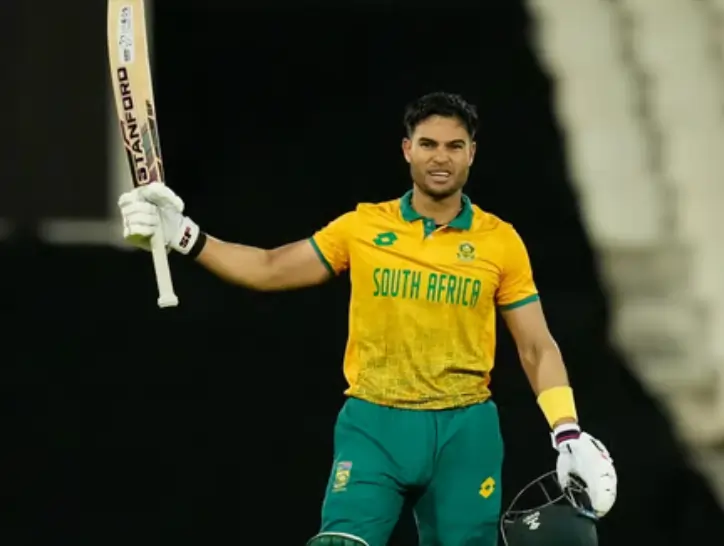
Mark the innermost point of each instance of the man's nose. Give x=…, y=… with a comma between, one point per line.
x=441, y=157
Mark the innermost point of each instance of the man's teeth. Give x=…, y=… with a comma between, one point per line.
x=442, y=174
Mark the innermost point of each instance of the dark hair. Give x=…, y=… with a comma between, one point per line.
x=442, y=104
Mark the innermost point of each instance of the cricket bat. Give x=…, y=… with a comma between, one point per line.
x=136, y=109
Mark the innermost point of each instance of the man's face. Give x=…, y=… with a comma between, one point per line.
x=440, y=153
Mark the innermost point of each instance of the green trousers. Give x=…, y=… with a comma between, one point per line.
x=448, y=462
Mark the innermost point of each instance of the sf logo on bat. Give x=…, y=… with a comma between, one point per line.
x=131, y=130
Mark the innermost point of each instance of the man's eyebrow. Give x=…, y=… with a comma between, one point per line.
x=433, y=141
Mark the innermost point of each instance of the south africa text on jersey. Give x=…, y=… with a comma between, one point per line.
x=434, y=287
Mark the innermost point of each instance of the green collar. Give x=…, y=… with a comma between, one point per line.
x=463, y=220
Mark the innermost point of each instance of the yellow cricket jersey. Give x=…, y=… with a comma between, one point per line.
x=423, y=300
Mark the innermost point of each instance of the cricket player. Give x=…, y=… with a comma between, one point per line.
x=428, y=272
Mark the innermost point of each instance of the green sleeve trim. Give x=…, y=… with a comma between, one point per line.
x=321, y=257
x=519, y=303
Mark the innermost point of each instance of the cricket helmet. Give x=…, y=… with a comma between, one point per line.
x=542, y=514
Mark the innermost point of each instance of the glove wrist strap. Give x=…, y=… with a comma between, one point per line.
x=198, y=246
x=188, y=235
x=565, y=433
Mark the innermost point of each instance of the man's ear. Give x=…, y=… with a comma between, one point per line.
x=406, y=149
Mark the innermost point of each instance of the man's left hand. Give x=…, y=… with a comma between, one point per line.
x=583, y=457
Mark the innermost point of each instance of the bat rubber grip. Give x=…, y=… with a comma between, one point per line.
x=166, y=295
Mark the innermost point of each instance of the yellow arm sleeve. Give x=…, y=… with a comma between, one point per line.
x=558, y=404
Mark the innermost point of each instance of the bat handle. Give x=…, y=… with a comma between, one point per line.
x=166, y=295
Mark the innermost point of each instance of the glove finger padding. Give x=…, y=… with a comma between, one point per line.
x=588, y=459
x=140, y=213
x=127, y=198
x=153, y=207
x=161, y=195
x=140, y=218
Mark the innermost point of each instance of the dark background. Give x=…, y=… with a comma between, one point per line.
x=125, y=424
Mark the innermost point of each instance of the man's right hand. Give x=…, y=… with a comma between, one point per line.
x=155, y=206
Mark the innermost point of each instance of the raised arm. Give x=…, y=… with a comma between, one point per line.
x=295, y=265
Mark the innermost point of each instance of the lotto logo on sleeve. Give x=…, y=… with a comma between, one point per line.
x=341, y=476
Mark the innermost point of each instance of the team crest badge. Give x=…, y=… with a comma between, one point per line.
x=341, y=476
x=466, y=252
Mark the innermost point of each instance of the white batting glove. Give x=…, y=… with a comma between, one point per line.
x=581, y=456
x=155, y=206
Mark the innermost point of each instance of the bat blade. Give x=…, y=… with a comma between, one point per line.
x=131, y=79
